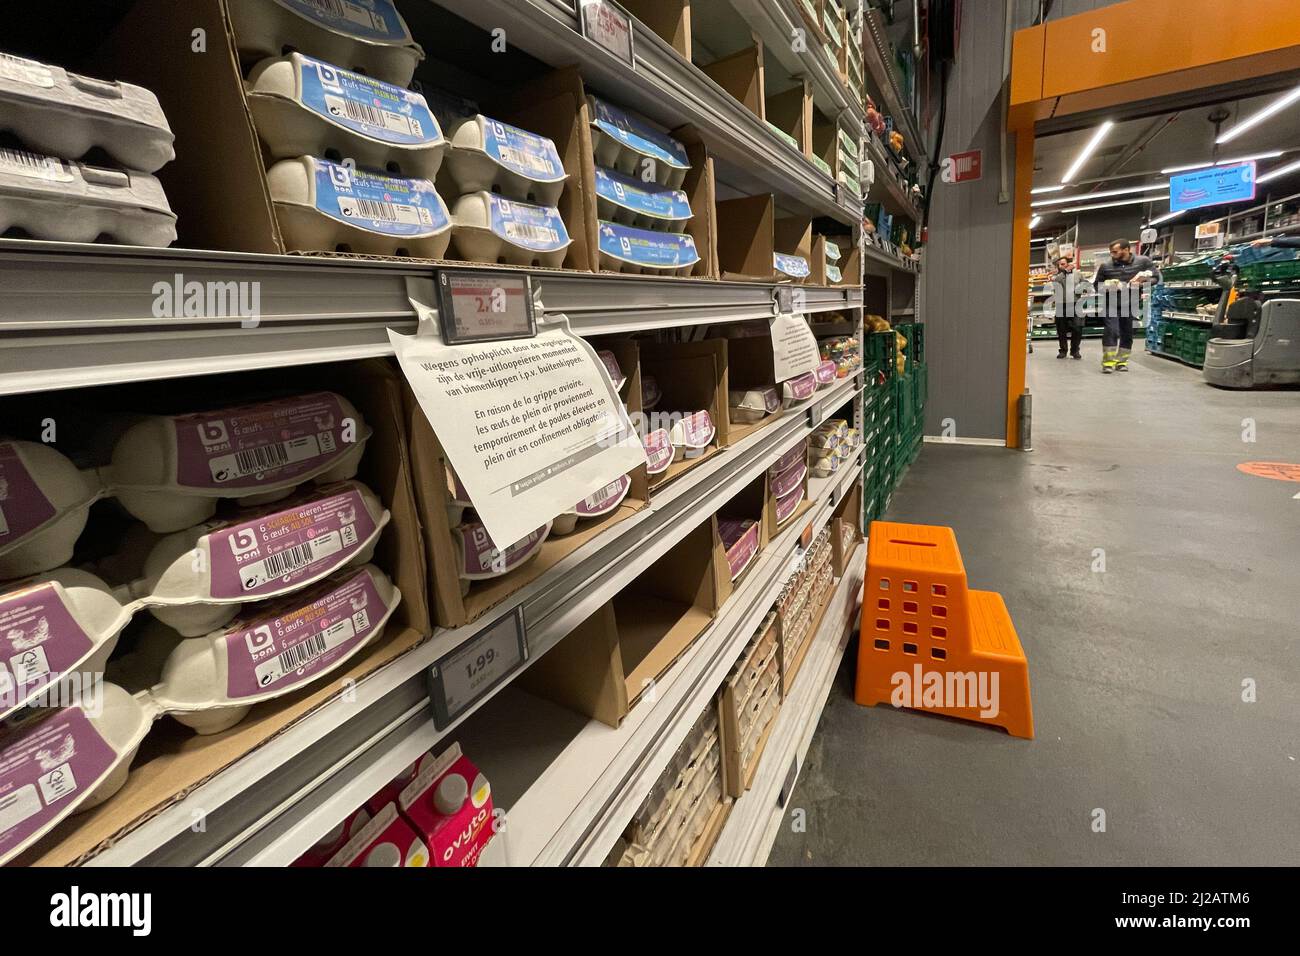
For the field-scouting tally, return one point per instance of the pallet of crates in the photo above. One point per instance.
(681, 817)
(747, 707)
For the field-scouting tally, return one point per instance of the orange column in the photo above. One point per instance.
(1024, 182)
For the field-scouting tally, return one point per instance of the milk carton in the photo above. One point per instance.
(450, 807)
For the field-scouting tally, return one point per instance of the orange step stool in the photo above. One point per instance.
(928, 642)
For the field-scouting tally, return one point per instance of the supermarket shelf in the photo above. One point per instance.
(1193, 284)
(880, 67)
(77, 315)
(886, 188)
(1188, 317)
(279, 799)
(879, 261)
(749, 155)
(751, 830)
(607, 773)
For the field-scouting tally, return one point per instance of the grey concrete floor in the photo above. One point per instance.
(1137, 672)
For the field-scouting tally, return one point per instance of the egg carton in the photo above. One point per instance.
(798, 389)
(631, 202)
(52, 626)
(681, 804)
(487, 227)
(631, 145)
(44, 502)
(323, 206)
(492, 156)
(197, 580)
(597, 505)
(693, 828)
(79, 756)
(307, 107)
(747, 406)
(65, 114)
(691, 434)
(628, 249)
(791, 479)
(651, 393)
(368, 36)
(788, 504)
(794, 267)
(478, 559)
(664, 796)
(740, 541)
(660, 452)
(71, 201)
(760, 713)
(169, 471)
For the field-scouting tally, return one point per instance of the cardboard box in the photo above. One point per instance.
(793, 236)
(701, 189)
(449, 806)
(670, 19)
(745, 238)
(774, 526)
(791, 113)
(846, 529)
(850, 267)
(741, 75)
(693, 377)
(606, 664)
(749, 366)
(173, 760)
(747, 707)
(749, 504)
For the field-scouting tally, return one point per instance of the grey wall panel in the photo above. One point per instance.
(1026, 11)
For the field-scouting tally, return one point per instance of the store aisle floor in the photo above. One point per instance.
(1137, 671)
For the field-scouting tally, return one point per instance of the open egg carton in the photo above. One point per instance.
(51, 122)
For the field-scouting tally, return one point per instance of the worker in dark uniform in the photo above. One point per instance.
(1119, 284)
(1069, 290)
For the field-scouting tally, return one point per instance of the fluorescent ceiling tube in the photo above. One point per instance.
(1047, 189)
(1157, 187)
(1223, 162)
(1274, 173)
(1107, 205)
(1250, 122)
(1166, 217)
(1033, 222)
(1088, 150)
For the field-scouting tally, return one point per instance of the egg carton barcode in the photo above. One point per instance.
(524, 232)
(260, 459)
(290, 559)
(349, 11)
(374, 116)
(517, 157)
(303, 653)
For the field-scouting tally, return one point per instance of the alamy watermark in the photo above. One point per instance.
(920, 690)
(189, 298)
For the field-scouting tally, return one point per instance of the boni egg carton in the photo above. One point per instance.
(65, 761)
(44, 502)
(490, 156)
(307, 107)
(628, 249)
(631, 202)
(71, 201)
(368, 36)
(631, 145)
(596, 505)
(66, 114)
(479, 559)
(487, 227)
(793, 267)
(740, 541)
(169, 471)
(323, 206)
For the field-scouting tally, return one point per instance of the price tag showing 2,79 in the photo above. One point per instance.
(471, 671)
(608, 25)
(485, 306)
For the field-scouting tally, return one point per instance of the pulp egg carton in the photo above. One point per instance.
(628, 249)
(478, 559)
(631, 202)
(72, 201)
(487, 227)
(833, 274)
(787, 506)
(597, 505)
(798, 389)
(65, 761)
(794, 267)
(196, 580)
(488, 155)
(790, 458)
(44, 502)
(659, 451)
(747, 406)
(791, 479)
(651, 393)
(322, 206)
(610, 361)
(169, 471)
(825, 373)
(740, 541)
(691, 434)
(631, 145)
(827, 466)
(307, 107)
(66, 114)
(368, 36)
(56, 624)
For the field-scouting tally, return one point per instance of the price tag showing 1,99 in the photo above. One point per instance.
(485, 306)
(470, 672)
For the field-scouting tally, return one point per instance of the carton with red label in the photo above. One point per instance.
(387, 840)
(449, 805)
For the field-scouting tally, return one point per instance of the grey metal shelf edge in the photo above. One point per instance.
(73, 315)
(749, 155)
(246, 800)
(882, 73)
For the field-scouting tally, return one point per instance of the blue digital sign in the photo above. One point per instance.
(1212, 187)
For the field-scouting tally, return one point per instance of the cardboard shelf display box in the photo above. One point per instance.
(217, 185)
(750, 366)
(793, 236)
(693, 377)
(749, 504)
(790, 112)
(846, 529)
(604, 666)
(775, 527)
(173, 760)
(741, 75)
(430, 469)
(826, 142)
(750, 235)
(670, 20)
(748, 704)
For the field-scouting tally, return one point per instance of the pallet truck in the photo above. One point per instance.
(1253, 344)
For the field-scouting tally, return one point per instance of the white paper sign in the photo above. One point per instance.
(794, 347)
(602, 23)
(532, 426)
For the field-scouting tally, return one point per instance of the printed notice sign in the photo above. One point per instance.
(794, 347)
(531, 426)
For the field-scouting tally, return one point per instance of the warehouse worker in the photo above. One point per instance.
(1119, 282)
(1069, 289)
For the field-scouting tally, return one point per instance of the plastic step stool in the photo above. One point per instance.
(928, 637)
